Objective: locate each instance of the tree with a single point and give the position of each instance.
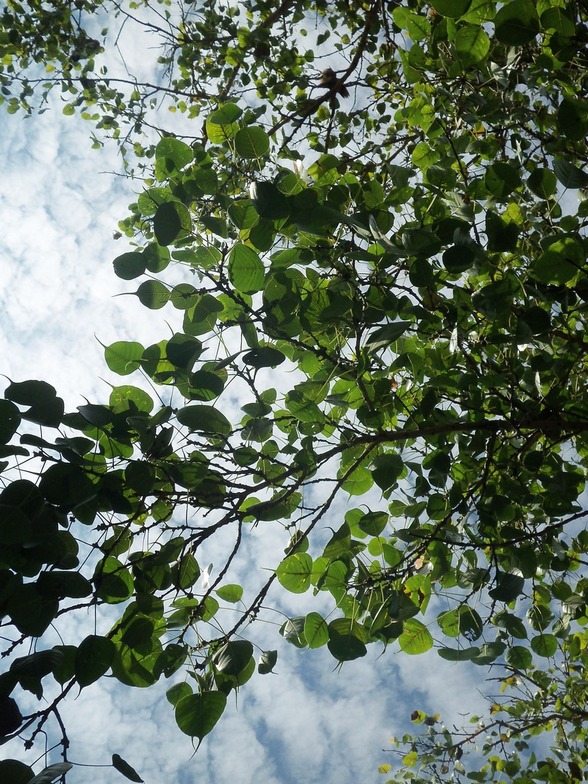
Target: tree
(421, 285)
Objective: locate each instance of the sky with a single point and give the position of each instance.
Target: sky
(311, 721)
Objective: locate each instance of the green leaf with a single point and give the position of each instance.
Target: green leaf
(572, 118)
(93, 659)
(35, 665)
(489, 652)
(170, 219)
(452, 8)
(316, 630)
(64, 484)
(123, 767)
(461, 621)
(560, 263)
(293, 631)
(51, 773)
(415, 637)
(197, 714)
(570, 175)
(29, 611)
(384, 336)
(205, 385)
(387, 469)
(358, 481)
(233, 657)
(252, 142)
(459, 654)
(15, 526)
(417, 25)
(557, 19)
(544, 645)
(472, 44)
(183, 351)
(246, 270)
(294, 572)
(153, 294)
(188, 571)
(519, 657)
(113, 581)
(282, 505)
(264, 357)
(346, 640)
(124, 357)
(9, 420)
(205, 419)
(221, 124)
(15, 772)
(269, 201)
(459, 258)
(177, 692)
(509, 586)
(267, 662)
(58, 585)
(130, 398)
(502, 235)
(45, 408)
(543, 183)
(517, 23)
(502, 179)
(172, 155)
(373, 523)
(130, 265)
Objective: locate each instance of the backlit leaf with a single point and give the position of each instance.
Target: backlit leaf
(197, 714)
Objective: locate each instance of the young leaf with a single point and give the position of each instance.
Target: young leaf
(267, 662)
(123, 767)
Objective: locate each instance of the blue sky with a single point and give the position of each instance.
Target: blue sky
(310, 722)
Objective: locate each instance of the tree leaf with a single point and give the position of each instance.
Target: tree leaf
(9, 420)
(221, 124)
(415, 637)
(124, 357)
(294, 572)
(544, 644)
(197, 714)
(170, 219)
(45, 408)
(15, 772)
(346, 640)
(94, 658)
(50, 773)
(509, 586)
(384, 336)
(123, 767)
(265, 356)
(204, 419)
(130, 265)
(570, 175)
(230, 593)
(233, 657)
(267, 662)
(316, 630)
(451, 8)
(252, 142)
(516, 23)
(246, 270)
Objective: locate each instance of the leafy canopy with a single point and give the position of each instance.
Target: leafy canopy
(386, 266)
